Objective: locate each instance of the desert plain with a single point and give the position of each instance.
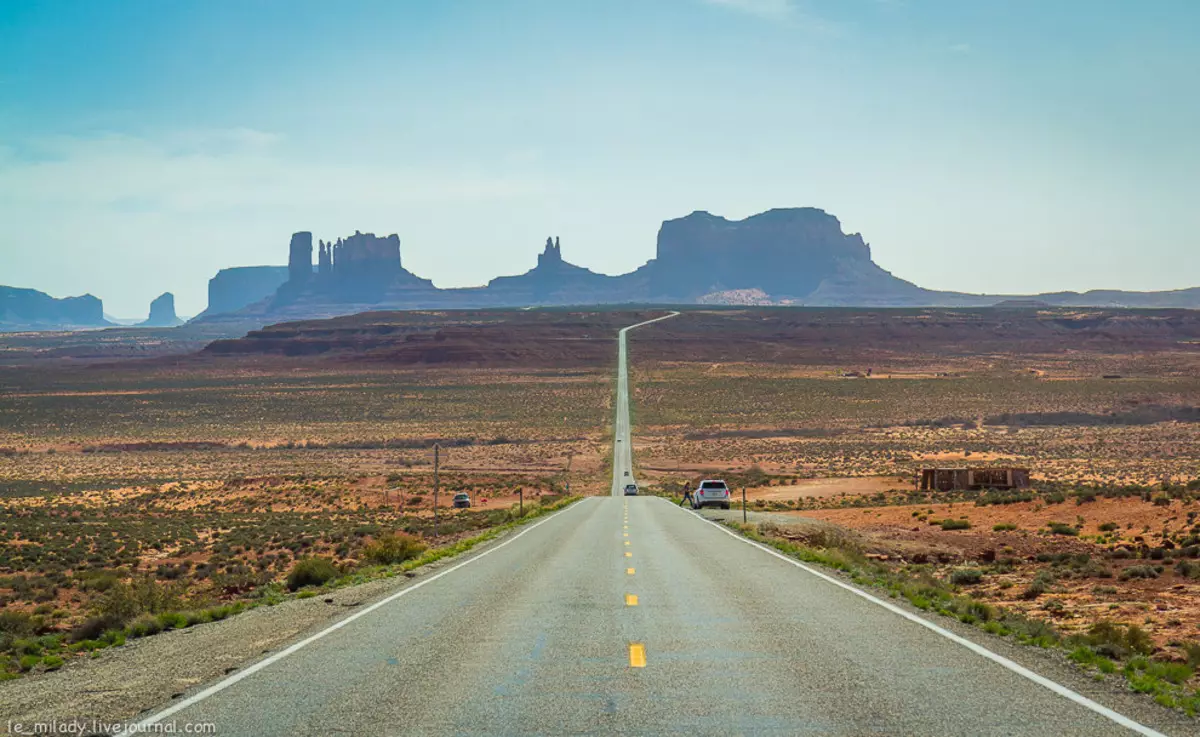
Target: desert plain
(138, 494)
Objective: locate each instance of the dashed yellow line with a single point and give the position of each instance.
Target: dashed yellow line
(630, 599)
(626, 542)
(637, 655)
(628, 554)
(629, 571)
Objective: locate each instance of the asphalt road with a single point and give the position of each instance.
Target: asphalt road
(634, 616)
(622, 450)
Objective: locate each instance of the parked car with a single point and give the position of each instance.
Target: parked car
(462, 500)
(630, 489)
(711, 492)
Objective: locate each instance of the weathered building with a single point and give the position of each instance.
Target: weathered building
(948, 479)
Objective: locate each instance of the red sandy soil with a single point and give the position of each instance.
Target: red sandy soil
(1167, 606)
(822, 488)
(1132, 514)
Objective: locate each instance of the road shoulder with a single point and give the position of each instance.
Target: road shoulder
(123, 682)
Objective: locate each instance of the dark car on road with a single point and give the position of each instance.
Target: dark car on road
(630, 489)
(462, 500)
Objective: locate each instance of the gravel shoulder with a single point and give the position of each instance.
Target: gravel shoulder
(122, 682)
(1111, 691)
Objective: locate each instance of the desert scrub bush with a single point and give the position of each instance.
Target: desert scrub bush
(966, 576)
(144, 625)
(955, 524)
(1040, 584)
(1140, 571)
(1109, 527)
(1087, 656)
(394, 548)
(1187, 569)
(1004, 527)
(1116, 641)
(1062, 528)
(311, 572)
(16, 624)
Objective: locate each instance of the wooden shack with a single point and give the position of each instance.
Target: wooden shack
(949, 479)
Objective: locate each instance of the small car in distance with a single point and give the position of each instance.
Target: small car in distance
(630, 489)
(711, 492)
(462, 500)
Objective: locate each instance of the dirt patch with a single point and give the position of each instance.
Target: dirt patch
(831, 487)
(1083, 566)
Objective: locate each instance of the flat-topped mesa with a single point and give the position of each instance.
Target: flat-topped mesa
(31, 309)
(364, 254)
(239, 286)
(782, 252)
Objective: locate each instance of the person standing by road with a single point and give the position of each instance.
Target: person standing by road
(687, 495)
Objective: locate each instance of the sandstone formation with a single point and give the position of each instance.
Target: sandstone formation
(235, 288)
(554, 281)
(785, 253)
(300, 257)
(359, 271)
(162, 312)
(29, 309)
(792, 256)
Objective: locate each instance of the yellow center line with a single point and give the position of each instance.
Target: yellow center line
(629, 571)
(630, 599)
(628, 554)
(626, 542)
(637, 655)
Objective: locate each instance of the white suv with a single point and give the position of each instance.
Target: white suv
(711, 491)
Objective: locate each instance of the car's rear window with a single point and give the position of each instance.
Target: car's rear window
(713, 485)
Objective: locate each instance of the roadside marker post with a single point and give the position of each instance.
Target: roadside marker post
(436, 454)
(521, 501)
(743, 505)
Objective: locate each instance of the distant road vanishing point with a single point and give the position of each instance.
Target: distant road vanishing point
(631, 615)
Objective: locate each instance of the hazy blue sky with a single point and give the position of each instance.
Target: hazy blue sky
(984, 145)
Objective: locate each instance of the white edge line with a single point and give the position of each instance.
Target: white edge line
(251, 670)
(974, 647)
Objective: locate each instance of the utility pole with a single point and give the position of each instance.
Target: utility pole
(436, 453)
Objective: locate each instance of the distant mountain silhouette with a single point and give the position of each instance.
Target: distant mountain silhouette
(788, 256)
(162, 313)
(240, 286)
(792, 256)
(29, 309)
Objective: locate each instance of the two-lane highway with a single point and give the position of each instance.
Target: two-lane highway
(622, 466)
(633, 616)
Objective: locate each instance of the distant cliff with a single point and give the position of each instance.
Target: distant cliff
(790, 256)
(362, 269)
(234, 288)
(162, 312)
(29, 309)
(554, 281)
(782, 252)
